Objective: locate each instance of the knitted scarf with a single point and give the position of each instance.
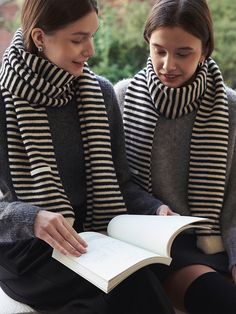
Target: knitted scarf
(29, 84)
(146, 99)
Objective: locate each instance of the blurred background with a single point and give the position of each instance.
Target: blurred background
(120, 48)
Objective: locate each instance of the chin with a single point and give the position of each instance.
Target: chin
(172, 85)
(76, 73)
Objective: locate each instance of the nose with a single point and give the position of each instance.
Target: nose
(88, 50)
(169, 63)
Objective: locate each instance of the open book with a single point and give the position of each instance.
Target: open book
(132, 242)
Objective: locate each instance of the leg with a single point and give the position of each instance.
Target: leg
(48, 286)
(178, 282)
(140, 293)
(198, 289)
(211, 293)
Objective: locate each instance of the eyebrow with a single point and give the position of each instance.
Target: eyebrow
(179, 48)
(84, 33)
(80, 33)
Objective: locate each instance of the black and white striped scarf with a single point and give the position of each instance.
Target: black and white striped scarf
(29, 84)
(146, 99)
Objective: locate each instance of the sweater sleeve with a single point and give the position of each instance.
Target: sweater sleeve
(137, 200)
(16, 221)
(16, 218)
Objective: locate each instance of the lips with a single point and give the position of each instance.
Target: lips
(171, 80)
(80, 63)
(170, 76)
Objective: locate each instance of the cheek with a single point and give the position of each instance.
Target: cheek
(156, 61)
(191, 68)
(58, 55)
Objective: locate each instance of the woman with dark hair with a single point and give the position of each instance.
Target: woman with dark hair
(180, 133)
(63, 165)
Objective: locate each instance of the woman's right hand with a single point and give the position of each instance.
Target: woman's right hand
(165, 210)
(234, 273)
(54, 229)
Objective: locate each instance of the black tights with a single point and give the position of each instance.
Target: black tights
(211, 293)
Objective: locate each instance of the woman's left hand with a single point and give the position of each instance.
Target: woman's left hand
(165, 210)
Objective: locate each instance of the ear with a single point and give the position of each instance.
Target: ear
(202, 59)
(204, 55)
(37, 35)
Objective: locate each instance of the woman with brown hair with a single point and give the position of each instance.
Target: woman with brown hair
(180, 132)
(62, 158)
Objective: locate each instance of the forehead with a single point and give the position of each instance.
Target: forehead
(88, 24)
(173, 37)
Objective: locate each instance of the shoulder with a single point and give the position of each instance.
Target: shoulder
(107, 90)
(121, 86)
(120, 90)
(105, 84)
(109, 97)
(231, 95)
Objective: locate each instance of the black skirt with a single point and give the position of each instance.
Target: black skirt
(184, 252)
(30, 275)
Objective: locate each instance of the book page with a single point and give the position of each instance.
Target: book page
(152, 232)
(106, 258)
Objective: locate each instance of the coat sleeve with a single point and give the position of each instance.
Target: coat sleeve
(16, 218)
(228, 216)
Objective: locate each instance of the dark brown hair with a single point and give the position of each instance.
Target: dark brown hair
(51, 15)
(192, 15)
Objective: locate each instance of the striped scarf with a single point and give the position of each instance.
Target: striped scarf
(29, 84)
(146, 99)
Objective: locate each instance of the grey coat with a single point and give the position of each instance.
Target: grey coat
(17, 218)
(170, 159)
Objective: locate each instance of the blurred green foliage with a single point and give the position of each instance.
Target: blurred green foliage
(119, 44)
(224, 18)
(121, 50)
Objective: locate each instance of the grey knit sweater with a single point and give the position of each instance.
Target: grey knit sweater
(170, 159)
(17, 218)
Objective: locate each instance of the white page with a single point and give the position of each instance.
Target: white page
(104, 252)
(105, 258)
(151, 232)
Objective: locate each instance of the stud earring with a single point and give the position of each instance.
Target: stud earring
(200, 64)
(40, 49)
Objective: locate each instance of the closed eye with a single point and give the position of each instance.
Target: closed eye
(76, 42)
(159, 52)
(183, 54)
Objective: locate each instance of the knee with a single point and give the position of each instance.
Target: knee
(179, 281)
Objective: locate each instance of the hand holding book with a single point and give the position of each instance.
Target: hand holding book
(133, 241)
